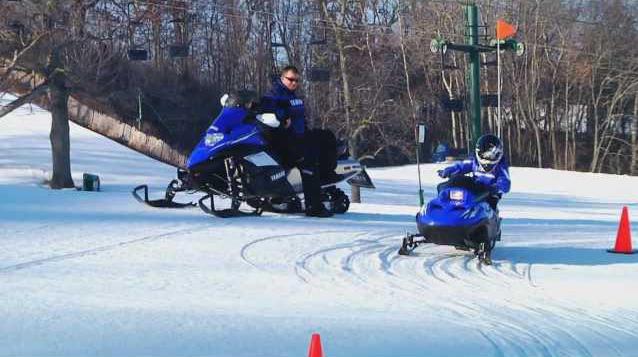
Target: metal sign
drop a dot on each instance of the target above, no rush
(422, 133)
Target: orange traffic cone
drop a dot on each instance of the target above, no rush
(315, 346)
(623, 238)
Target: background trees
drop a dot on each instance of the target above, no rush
(571, 102)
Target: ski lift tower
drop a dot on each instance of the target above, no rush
(473, 48)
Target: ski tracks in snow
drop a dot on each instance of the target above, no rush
(100, 249)
(439, 279)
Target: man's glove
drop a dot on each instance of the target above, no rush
(285, 124)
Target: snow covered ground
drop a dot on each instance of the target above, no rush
(96, 273)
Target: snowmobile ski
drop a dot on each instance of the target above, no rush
(484, 254)
(234, 211)
(166, 202)
(409, 243)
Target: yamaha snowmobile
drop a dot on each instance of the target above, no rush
(232, 164)
(459, 216)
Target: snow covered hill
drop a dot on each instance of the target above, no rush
(96, 273)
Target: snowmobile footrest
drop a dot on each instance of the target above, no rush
(161, 203)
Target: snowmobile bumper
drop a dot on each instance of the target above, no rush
(459, 236)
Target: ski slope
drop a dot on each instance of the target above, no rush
(96, 273)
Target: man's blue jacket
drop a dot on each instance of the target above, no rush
(285, 104)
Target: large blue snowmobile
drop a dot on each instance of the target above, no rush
(232, 162)
(458, 216)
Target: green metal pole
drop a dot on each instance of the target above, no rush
(472, 39)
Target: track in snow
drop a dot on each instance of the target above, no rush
(433, 279)
(100, 249)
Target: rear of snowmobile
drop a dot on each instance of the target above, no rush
(460, 217)
(232, 163)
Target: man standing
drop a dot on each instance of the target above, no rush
(289, 141)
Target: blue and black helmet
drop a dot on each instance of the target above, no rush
(489, 151)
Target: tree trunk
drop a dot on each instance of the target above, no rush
(60, 142)
(156, 30)
(343, 66)
(539, 147)
(568, 125)
(554, 126)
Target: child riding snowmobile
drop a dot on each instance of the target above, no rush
(464, 214)
(487, 167)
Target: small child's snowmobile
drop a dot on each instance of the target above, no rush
(232, 161)
(459, 216)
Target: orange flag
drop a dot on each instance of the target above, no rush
(504, 30)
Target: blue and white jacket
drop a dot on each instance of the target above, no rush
(285, 104)
(498, 178)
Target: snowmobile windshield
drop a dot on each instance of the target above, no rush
(228, 120)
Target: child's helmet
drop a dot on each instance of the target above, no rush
(489, 151)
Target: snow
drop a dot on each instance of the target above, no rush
(96, 273)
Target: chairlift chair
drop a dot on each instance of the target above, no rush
(452, 104)
(137, 54)
(318, 74)
(323, 39)
(178, 50)
(16, 26)
(489, 100)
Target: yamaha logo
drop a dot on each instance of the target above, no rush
(278, 176)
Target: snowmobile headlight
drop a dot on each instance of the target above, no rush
(213, 138)
(457, 195)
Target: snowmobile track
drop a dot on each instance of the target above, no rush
(105, 248)
(372, 263)
(301, 264)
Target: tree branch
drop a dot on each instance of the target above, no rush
(34, 94)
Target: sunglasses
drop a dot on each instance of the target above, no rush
(293, 80)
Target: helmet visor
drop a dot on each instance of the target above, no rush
(489, 158)
(491, 154)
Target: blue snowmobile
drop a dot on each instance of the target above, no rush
(232, 161)
(459, 216)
